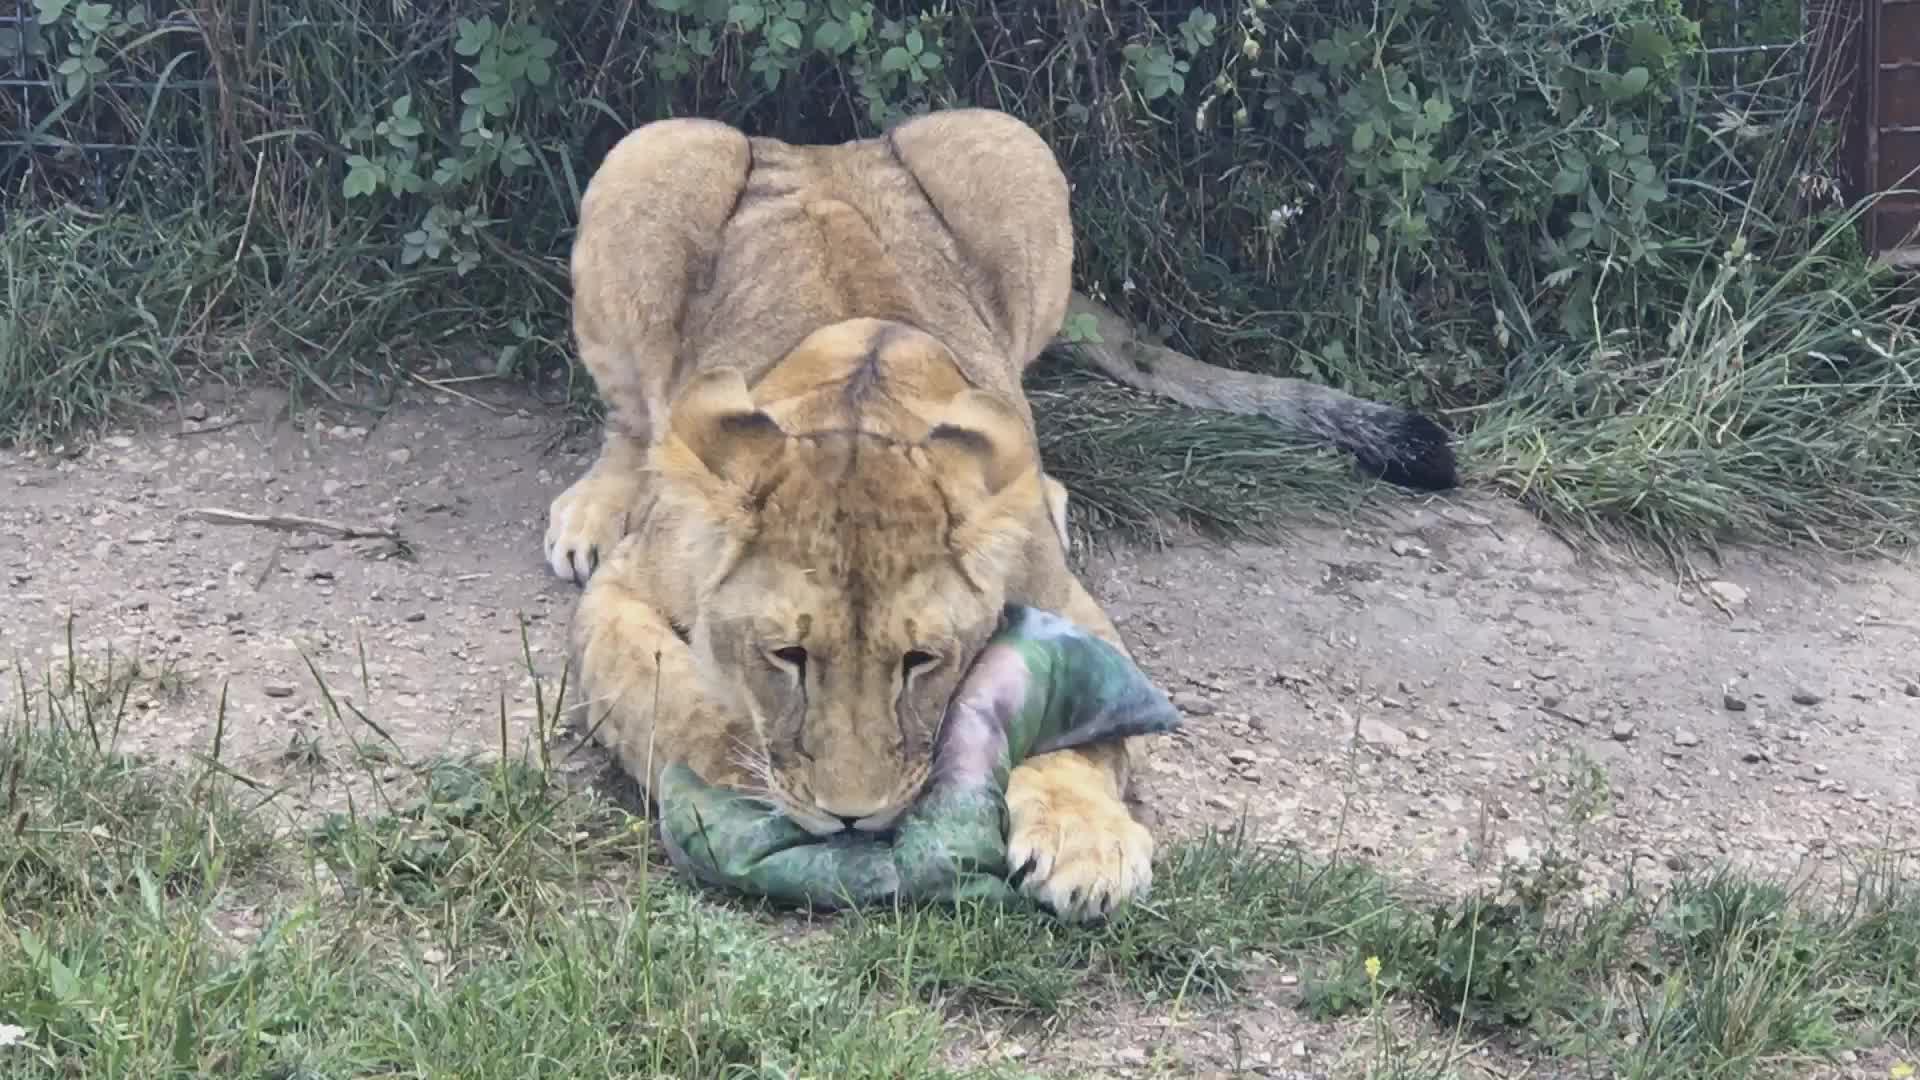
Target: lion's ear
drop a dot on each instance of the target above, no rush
(715, 456)
(980, 435)
(982, 452)
(717, 423)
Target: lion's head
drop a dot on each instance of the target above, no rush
(858, 562)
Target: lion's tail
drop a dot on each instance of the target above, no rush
(1398, 445)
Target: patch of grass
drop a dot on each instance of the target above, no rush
(1781, 408)
(1720, 975)
(102, 312)
(490, 922)
(1132, 463)
(154, 922)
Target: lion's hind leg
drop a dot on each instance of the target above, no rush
(650, 222)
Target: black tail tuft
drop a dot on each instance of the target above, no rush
(1418, 454)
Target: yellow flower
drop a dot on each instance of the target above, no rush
(1373, 972)
(1900, 1071)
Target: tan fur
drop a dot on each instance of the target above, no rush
(816, 353)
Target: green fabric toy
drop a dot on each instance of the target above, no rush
(1042, 683)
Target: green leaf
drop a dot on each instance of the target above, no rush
(1648, 45)
(472, 36)
(50, 11)
(1633, 83)
(93, 18)
(1363, 135)
(829, 36)
(915, 43)
(403, 105)
(785, 33)
(930, 61)
(895, 59)
(1569, 182)
(746, 16)
(539, 72)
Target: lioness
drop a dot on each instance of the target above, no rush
(819, 482)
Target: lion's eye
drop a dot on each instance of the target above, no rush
(916, 660)
(792, 656)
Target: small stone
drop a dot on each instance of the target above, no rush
(433, 956)
(143, 536)
(1420, 734)
(1726, 593)
(278, 690)
(1683, 737)
(1913, 689)
(1623, 732)
(416, 616)
(196, 411)
(1242, 757)
(1755, 756)
(330, 488)
(1409, 549)
(1805, 696)
(1192, 704)
(1732, 703)
(1132, 1057)
(400, 456)
(1376, 733)
(1676, 863)
(1220, 802)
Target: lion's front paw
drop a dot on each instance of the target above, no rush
(586, 521)
(1071, 844)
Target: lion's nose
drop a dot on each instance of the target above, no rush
(848, 821)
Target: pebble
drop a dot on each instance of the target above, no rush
(1377, 733)
(196, 411)
(1406, 548)
(1733, 703)
(1131, 1057)
(1192, 704)
(1683, 737)
(1623, 732)
(278, 690)
(1804, 696)
(1242, 757)
(1726, 592)
(1913, 689)
(400, 456)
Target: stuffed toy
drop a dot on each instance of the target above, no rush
(1042, 683)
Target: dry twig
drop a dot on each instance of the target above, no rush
(293, 523)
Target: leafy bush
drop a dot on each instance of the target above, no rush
(1526, 215)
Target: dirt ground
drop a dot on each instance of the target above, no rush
(1433, 695)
